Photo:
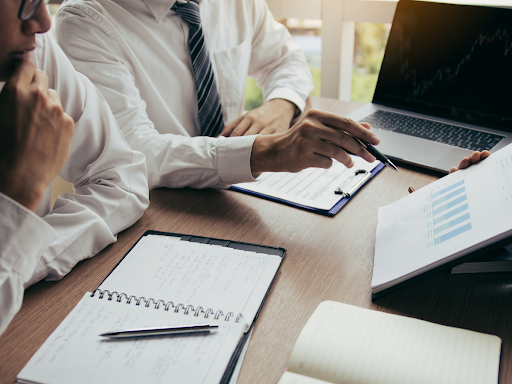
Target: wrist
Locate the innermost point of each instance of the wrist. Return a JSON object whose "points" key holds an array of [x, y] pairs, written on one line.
{"points": [[287, 108], [27, 195], [265, 154]]}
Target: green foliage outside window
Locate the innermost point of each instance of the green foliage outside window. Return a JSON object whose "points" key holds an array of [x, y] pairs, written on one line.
{"points": [[370, 43], [254, 95]]}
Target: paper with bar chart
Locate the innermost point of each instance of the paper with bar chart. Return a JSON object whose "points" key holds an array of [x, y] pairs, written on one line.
{"points": [[455, 215], [448, 213]]}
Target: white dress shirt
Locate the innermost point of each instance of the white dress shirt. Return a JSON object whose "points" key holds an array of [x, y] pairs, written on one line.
{"points": [[109, 180], [135, 52], [23, 238]]}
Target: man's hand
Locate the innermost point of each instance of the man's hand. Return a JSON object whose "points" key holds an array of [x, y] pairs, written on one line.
{"points": [[274, 116], [35, 135], [474, 158], [314, 141]]}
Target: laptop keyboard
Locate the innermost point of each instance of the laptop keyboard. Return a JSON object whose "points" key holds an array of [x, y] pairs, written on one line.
{"points": [[431, 130]]}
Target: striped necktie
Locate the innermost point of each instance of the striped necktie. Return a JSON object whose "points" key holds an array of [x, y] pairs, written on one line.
{"points": [[209, 108]]}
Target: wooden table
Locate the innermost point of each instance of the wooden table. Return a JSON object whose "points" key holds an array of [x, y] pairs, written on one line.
{"points": [[327, 259]]}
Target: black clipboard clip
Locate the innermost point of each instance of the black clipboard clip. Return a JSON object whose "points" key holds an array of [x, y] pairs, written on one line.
{"points": [[353, 183]]}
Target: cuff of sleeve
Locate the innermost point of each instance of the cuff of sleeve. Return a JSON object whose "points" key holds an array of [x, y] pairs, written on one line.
{"points": [[234, 159], [288, 94], [40, 272], [23, 236]]}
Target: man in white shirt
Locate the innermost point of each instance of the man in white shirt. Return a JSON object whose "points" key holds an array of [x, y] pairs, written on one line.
{"points": [[137, 53], [146, 43], [36, 136]]}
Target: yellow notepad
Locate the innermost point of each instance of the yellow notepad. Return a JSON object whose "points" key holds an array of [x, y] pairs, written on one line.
{"points": [[342, 343]]}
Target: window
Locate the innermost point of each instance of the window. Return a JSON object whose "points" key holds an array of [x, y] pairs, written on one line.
{"points": [[306, 34], [369, 46]]}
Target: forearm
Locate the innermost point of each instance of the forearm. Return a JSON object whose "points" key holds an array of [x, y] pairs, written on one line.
{"points": [[87, 221], [28, 197], [291, 81], [11, 295], [176, 161], [108, 177], [277, 63], [23, 237], [173, 161]]}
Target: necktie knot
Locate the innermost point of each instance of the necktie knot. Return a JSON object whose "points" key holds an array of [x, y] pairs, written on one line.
{"points": [[188, 11]]}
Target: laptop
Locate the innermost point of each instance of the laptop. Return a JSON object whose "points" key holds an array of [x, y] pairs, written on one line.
{"points": [[445, 86]]}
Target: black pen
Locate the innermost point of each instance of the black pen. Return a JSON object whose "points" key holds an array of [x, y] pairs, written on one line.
{"points": [[379, 156], [174, 330]]}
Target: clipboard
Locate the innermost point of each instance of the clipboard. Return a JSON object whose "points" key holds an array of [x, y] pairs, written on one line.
{"points": [[347, 190]]}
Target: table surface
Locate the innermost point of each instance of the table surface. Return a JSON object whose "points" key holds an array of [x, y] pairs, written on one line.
{"points": [[327, 259]]}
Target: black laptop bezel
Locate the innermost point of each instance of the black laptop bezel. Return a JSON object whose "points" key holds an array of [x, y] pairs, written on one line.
{"points": [[501, 123]]}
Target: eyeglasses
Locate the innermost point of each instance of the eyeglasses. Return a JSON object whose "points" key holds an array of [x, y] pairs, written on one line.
{"points": [[28, 8]]}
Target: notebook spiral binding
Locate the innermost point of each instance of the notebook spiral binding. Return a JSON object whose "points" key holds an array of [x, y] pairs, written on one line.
{"points": [[156, 304]]}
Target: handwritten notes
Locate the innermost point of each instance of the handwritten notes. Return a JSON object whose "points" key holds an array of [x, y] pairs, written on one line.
{"points": [[75, 353], [209, 276]]}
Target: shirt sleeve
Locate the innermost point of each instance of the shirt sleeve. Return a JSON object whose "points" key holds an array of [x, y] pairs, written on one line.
{"points": [[23, 237], [172, 160], [277, 63], [108, 178]]}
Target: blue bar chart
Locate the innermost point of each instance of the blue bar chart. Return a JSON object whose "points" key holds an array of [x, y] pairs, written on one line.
{"points": [[450, 212]]}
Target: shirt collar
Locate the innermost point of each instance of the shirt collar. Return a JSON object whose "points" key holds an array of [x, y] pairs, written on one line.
{"points": [[159, 8]]}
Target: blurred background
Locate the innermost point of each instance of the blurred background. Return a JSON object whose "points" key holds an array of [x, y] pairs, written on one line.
{"points": [[364, 41], [343, 41], [369, 44]]}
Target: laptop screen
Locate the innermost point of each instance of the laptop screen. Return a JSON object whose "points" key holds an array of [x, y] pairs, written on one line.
{"points": [[452, 61]]}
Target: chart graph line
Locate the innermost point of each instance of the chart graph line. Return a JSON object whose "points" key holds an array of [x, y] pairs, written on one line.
{"points": [[447, 74]]}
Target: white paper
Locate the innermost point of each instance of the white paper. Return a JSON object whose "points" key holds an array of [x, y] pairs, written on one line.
{"points": [[442, 221], [342, 343], [312, 187], [74, 353], [292, 378], [220, 278]]}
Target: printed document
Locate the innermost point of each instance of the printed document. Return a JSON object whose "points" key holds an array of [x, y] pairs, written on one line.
{"points": [[458, 214], [312, 187]]}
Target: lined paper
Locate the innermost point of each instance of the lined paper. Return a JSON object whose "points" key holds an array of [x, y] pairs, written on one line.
{"points": [[75, 353], [209, 276], [346, 344]]}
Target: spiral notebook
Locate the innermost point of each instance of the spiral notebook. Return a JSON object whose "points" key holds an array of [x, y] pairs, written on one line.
{"points": [[165, 279]]}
